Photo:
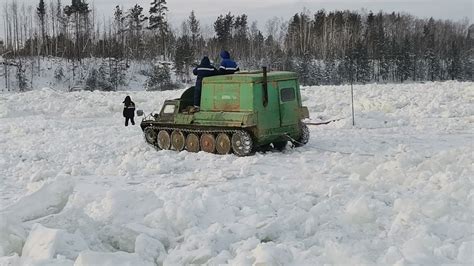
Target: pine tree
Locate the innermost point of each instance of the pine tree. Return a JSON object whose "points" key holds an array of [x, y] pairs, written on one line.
{"points": [[346, 69], [59, 74], [184, 54], [119, 23], [62, 28], [467, 61], [157, 22], [103, 79], [223, 29], [79, 12], [240, 38], [257, 51], [21, 76], [467, 56], [302, 64], [330, 75], [430, 55], [195, 29], [183, 57], [41, 12], [160, 78], [371, 43], [315, 74], [91, 81], [403, 60], [117, 70], [454, 61], [361, 60], [134, 27], [380, 49], [319, 23]]}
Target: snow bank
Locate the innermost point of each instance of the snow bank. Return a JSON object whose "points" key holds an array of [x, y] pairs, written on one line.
{"points": [[273, 254], [49, 199], [12, 236], [12, 260], [87, 258], [358, 211], [45, 243], [79, 188], [150, 249], [123, 206]]}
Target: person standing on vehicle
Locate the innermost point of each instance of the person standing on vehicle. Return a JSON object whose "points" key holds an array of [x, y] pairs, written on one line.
{"points": [[204, 69], [128, 110], [228, 66]]}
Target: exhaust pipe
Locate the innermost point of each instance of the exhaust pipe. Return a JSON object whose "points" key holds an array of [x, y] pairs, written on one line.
{"points": [[265, 87]]}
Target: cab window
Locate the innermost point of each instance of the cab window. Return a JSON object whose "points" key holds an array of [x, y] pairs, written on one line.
{"points": [[169, 109], [287, 94]]}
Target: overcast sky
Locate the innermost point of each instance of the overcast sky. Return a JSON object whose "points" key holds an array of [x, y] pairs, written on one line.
{"points": [[261, 10]]}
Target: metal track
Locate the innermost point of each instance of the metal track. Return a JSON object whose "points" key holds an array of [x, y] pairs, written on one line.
{"points": [[188, 131], [199, 131]]}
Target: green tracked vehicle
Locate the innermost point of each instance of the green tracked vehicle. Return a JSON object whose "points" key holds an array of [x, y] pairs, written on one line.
{"points": [[239, 113]]}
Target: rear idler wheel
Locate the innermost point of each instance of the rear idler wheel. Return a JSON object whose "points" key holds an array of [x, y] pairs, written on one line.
{"points": [[177, 140], [223, 144], [242, 143], [304, 137], [192, 142], [208, 143], [150, 136], [164, 140]]}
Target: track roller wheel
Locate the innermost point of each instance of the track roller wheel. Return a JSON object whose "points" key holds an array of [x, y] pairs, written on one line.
{"points": [[208, 143], [192, 142], [164, 140], [177, 140], [150, 135], [223, 144], [242, 143]]}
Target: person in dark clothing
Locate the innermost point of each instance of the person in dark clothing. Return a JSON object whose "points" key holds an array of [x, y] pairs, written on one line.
{"points": [[128, 110], [204, 69], [228, 66]]}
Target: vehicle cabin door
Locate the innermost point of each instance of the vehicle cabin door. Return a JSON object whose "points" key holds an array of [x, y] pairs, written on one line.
{"points": [[288, 102]]}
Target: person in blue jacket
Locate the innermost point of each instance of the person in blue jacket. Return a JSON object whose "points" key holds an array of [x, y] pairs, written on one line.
{"points": [[228, 66], [204, 69]]}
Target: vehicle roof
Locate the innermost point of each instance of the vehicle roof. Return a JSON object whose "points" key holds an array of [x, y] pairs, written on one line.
{"points": [[251, 77]]}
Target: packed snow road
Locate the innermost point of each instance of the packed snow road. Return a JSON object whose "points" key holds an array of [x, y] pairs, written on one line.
{"points": [[77, 187]]}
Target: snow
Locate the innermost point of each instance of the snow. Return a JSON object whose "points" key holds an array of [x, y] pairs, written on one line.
{"points": [[45, 245], [87, 258], [78, 188], [49, 199]]}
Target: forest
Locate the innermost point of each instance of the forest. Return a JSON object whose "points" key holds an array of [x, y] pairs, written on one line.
{"points": [[323, 47]]}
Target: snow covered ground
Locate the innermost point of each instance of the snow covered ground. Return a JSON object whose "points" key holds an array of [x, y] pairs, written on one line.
{"points": [[77, 187]]}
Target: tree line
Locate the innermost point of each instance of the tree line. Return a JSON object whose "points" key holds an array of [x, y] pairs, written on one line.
{"points": [[323, 47]]}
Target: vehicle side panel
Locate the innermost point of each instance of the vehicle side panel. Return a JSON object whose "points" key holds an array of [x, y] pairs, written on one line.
{"points": [[232, 97]]}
